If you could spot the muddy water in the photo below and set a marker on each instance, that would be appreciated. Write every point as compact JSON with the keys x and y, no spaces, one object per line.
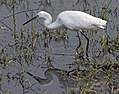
{"x":60,"y":52}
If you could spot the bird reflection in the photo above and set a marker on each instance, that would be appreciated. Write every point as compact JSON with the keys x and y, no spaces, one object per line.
{"x":66,"y":78}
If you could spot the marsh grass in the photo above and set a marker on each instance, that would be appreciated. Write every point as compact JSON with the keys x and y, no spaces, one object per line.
{"x":27,"y":42}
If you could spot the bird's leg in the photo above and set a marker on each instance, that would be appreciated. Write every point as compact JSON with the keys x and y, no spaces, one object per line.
{"x":78,"y":55}
{"x":87,"y":46}
{"x":79,"y":44}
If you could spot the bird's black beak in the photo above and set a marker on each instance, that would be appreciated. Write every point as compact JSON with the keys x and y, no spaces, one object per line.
{"x":31,"y":19}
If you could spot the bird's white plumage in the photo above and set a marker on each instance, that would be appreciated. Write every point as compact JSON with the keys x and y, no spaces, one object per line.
{"x":72,"y":20}
{"x":80,"y":20}
{"x":76,"y":20}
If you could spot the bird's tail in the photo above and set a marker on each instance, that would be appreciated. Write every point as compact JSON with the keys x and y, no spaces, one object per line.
{"x":102,"y":23}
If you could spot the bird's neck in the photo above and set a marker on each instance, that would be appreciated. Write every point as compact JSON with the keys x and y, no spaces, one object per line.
{"x":47,"y":20}
{"x":51,"y":25}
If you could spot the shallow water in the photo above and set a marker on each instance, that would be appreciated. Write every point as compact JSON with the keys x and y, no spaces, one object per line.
{"x":18,"y":55}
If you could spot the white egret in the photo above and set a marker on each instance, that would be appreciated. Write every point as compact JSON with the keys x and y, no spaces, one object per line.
{"x":71,"y":20}
{"x":74,"y":20}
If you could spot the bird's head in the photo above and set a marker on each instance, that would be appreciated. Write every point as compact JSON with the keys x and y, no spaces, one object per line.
{"x":41,"y":14}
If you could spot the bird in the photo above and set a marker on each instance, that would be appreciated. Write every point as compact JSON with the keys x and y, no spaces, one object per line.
{"x":73,"y":20}
{"x":66,"y":78}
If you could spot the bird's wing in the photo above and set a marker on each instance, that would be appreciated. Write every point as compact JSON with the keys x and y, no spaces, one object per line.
{"x":79,"y":20}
